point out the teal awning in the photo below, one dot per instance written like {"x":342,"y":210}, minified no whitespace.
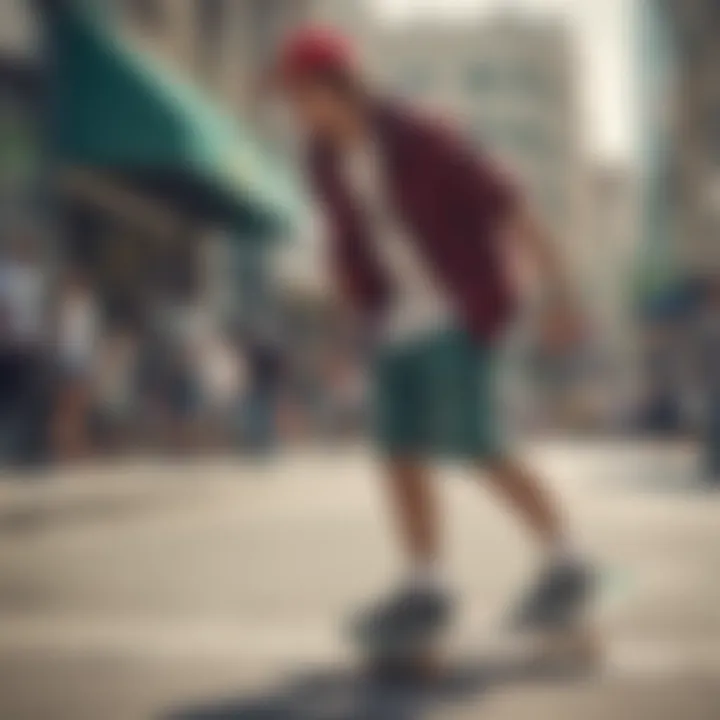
{"x":118,"y":110}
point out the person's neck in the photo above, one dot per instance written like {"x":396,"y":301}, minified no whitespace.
{"x":353,"y":131}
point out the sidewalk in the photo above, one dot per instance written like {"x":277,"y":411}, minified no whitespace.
{"x":99,"y":492}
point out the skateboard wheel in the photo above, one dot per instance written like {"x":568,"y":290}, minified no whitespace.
{"x":422,"y":668}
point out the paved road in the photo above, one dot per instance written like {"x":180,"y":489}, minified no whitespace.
{"x":215,"y":589}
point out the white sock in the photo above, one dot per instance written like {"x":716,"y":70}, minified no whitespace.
{"x":563,"y":552}
{"x":425,"y":577}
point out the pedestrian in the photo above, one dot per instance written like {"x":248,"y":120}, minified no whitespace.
{"x":709,"y":375}
{"x":221,"y":380}
{"x":77,"y":332}
{"x":115,"y":387}
{"x":187,"y":323}
{"x":23,"y":387}
{"x":266,"y":368}
{"x":346,"y":396}
{"x":419,"y":225}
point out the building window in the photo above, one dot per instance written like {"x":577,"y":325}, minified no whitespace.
{"x":145,"y":14}
{"x":266,"y":22}
{"x":415,"y":81}
{"x":481,"y":134}
{"x":20,"y":153}
{"x":211,"y":17}
{"x":481,"y":77}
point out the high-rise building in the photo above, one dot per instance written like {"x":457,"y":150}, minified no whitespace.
{"x":658,"y":261}
{"x":613,"y":230}
{"x":162,"y":68}
{"x":679,"y":111}
{"x":222,"y":44}
{"x":21,"y":115}
{"x":18,"y":36}
{"x":351,"y":16}
{"x":694,"y":27}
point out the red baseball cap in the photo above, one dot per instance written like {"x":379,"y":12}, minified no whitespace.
{"x":314,"y":50}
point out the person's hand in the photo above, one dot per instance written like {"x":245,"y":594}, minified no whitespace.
{"x":563,"y":327}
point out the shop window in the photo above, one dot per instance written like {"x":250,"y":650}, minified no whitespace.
{"x":481,"y":77}
{"x":211,"y":19}
{"x":146,"y":14}
{"x":266,"y":22}
{"x":415,"y":81}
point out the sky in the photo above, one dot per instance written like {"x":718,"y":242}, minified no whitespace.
{"x":605,"y":51}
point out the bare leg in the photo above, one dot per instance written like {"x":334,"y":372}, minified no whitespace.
{"x":69,"y":425}
{"x":528,"y":496}
{"x":421,"y":608}
{"x":415,"y":509}
{"x":561,"y":597}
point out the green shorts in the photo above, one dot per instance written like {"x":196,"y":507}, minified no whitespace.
{"x":436,"y":397}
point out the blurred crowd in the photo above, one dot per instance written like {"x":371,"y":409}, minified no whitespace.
{"x":681,"y":369}
{"x":77,"y":381}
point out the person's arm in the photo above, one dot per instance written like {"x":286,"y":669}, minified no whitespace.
{"x":562,"y":320}
{"x":484,"y":190}
{"x":352,"y":293}
{"x":537,"y":244}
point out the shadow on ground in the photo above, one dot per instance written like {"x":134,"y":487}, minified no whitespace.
{"x":344,"y":695}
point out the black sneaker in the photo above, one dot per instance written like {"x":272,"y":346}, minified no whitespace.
{"x":405,"y":618}
{"x":560,"y":597}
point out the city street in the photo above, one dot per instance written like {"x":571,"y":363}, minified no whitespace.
{"x":218,"y":588}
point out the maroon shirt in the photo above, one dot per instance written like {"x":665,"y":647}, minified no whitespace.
{"x":450,"y":200}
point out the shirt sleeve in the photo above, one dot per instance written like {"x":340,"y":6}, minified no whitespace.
{"x":480,"y":184}
{"x":341,"y":251}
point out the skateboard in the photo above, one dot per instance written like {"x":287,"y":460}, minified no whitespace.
{"x":575,"y":647}
{"x":421,"y":659}
{"x":438,"y":659}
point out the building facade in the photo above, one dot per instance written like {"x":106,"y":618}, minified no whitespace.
{"x":223,"y":47}
{"x":679,"y":111}
{"x":18,"y":36}
{"x":694,"y":26}
{"x":351,"y":16}
{"x":614,"y":229}
{"x":614,"y":221}
{"x":20,"y":113}
{"x":659,"y":260}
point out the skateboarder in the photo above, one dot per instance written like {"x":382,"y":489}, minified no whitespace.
{"x":420,"y":225}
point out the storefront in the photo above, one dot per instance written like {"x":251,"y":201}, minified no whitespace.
{"x":20,"y":139}
{"x":142,"y":176}
{"x":145,"y":169}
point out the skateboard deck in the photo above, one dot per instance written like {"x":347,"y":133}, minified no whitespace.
{"x":446,"y":661}
{"x":420,"y":657}
{"x":452,"y":657}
